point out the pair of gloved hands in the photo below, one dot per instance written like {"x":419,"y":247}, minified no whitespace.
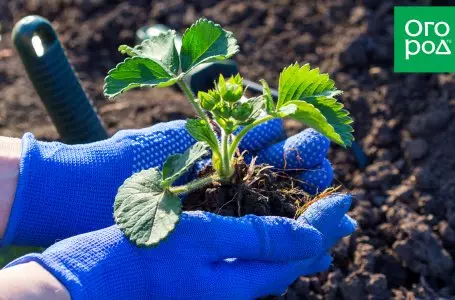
{"x":66,"y":190}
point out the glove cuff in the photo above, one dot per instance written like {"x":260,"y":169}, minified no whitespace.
{"x":96,"y":265}
{"x":17,"y":207}
{"x":52,"y":176}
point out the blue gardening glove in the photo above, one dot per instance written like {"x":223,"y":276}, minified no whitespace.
{"x":65,"y":190}
{"x":303,"y":154}
{"x":328,"y":216}
{"x":197,"y":260}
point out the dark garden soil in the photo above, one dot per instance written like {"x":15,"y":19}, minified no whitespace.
{"x":404,"y":202}
{"x":255,"y":189}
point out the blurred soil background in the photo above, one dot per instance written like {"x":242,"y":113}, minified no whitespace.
{"x":404,"y":202}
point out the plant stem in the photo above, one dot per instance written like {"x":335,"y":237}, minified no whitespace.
{"x":192,"y":186}
{"x":227,"y":170}
{"x":243,"y":132}
{"x":189,"y":94}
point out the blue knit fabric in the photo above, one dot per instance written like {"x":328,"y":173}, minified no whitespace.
{"x":318,"y":178}
{"x":65,"y":190}
{"x":263,"y":135}
{"x":328,"y":215}
{"x":206,"y":257}
{"x":299,"y":152}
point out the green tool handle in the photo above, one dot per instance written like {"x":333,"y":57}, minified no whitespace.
{"x":55,"y":81}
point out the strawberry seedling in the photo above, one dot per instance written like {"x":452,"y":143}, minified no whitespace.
{"x":147,"y":206}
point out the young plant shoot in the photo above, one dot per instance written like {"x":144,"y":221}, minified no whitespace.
{"x":147,"y":206}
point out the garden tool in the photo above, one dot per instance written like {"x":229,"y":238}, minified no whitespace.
{"x":54,"y":79}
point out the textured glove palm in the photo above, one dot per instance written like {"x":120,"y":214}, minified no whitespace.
{"x":196,"y":261}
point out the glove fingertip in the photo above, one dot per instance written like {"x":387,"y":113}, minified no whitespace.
{"x":327,"y":213}
{"x":301,"y":151}
{"x":320,"y":265}
{"x":311,"y":147}
{"x":263,"y":135}
{"x":336,"y":203}
{"x":318,"y":179}
{"x":347,"y":226}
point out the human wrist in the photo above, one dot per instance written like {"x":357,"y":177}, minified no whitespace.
{"x":31,"y":281}
{"x":10,"y":153}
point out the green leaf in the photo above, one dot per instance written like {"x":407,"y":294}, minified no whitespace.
{"x":269,"y":103}
{"x":201,"y":131}
{"x":336,"y":116}
{"x":205,"y":42}
{"x":144,"y":211}
{"x":136,"y":72}
{"x":310,"y":115}
{"x":306,"y":84}
{"x":286,"y":111}
{"x":160,"y":48}
{"x":176,"y":165}
{"x":298,"y":83}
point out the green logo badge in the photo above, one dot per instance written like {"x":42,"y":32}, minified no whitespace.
{"x":424,"y":39}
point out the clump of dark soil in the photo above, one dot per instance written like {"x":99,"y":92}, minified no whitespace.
{"x":255,"y":189}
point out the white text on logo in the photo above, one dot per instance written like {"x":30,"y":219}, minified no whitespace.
{"x":415,"y":28}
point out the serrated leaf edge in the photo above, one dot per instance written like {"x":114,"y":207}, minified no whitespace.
{"x":346,"y":138}
{"x":229,"y":34}
{"x":110,"y":97}
{"x":135,"y":48}
{"x":327,"y":122}
{"x":162,"y":238}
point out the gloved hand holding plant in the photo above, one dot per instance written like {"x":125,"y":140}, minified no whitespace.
{"x":277,"y":225}
{"x":147,"y":206}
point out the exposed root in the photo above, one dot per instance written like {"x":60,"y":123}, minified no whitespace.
{"x":302,"y":206}
{"x":255,"y":189}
